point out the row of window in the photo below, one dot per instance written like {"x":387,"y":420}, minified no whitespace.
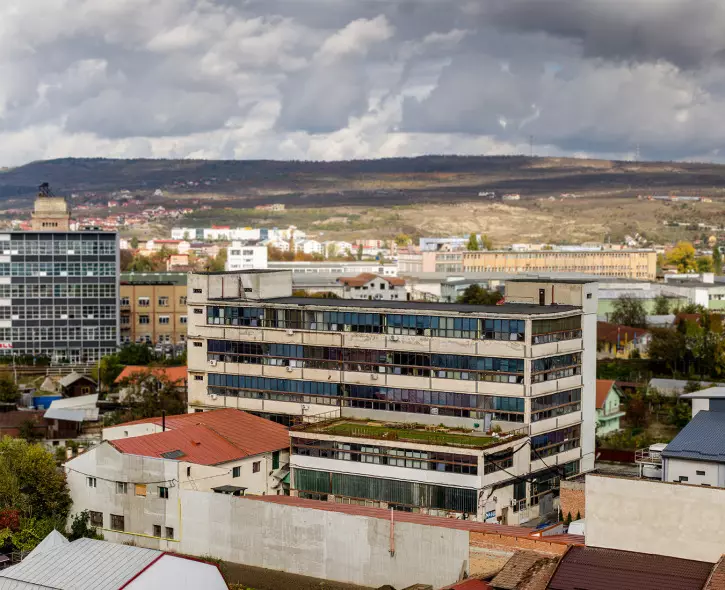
{"x":556,"y":404}
{"x":58,"y":311}
{"x":60,"y":355}
{"x":345,"y":321}
{"x":60,"y":247}
{"x":555,"y":367}
{"x":555,"y":442}
{"x":414,"y":459}
{"x":57,"y":269}
{"x":384,"y":398}
{"x":162,"y":301}
{"x":444,"y":366}
{"x":146,"y":319}
{"x":55,"y":291}
{"x":31,"y":334}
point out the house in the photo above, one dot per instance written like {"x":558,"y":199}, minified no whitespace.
{"x":608,"y":407}
{"x":131,"y":483}
{"x":373,"y":287}
{"x":696,"y":456}
{"x":174,"y":375}
{"x":87,"y":564}
{"x":621,"y":342}
{"x":66,"y":417}
{"x":75,"y":384}
{"x":710,"y":399}
{"x":13,"y":422}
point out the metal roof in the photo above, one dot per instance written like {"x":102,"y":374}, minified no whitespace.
{"x":85,"y":564}
{"x":703,"y":439}
{"x":709,"y":393}
{"x":72,"y":377}
{"x":74,"y":409}
{"x":506,"y":309}
{"x":594,"y":568}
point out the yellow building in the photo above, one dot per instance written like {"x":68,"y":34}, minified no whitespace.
{"x":153,"y":307}
{"x":631,"y":264}
{"x":51,"y":213}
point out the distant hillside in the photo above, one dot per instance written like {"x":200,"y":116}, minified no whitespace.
{"x":385,"y":181}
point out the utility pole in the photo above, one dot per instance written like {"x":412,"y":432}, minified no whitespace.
{"x":531,"y":146}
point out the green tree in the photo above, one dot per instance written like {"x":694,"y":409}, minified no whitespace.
{"x":403,"y":239}
{"x":134,"y":243}
{"x":360,"y":252}
{"x":141,"y":264}
{"x":716,"y":260}
{"x":661,"y":305}
{"x":477,"y":295}
{"x":148,"y":395}
{"x":80,"y":527}
{"x":472,"y":245}
{"x":704,"y":264}
{"x":682,"y":256}
{"x":679,"y":414}
{"x":29,"y":432}
{"x":135,"y":354}
{"x":9,"y":392}
{"x":629,"y":311}
{"x":486,"y":243}
{"x":666,"y":349}
{"x":636,"y":409}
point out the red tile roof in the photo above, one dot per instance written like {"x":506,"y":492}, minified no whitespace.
{"x":208,"y":438}
{"x":470,"y":584}
{"x":173,"y":374}
{"x":424,"y":519}
{"x":592,"y":568}
{"x":616,"y":333}
{"x":603,"y":387}
{"x":717,"y":577}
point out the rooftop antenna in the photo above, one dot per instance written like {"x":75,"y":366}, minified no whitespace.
{"x":44,"y":190}
{"x":636,"y":153}
{"x":531,"y":146}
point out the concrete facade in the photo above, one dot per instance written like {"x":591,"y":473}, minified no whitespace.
{"x":241,"y":256}
{"x":654,"y":517}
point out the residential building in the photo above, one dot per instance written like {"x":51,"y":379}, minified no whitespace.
{"x":608,"y":407}
{"x":450,"y":244}
{"x":528,"y":364}
{"x":131,"y":482}
{"x":428,"y":261}
{"x":373,"y":287}
{"x":699,"y":288}
{"x":58,"y":292}
{"x":156,"y":246}
{"x":244,"y":255}
{"x":635,"y":264}
{"x":309,"y":247}
{"x":153,"y":307}
{"x":89,"y":563}
{"x":615,"y":341}
{"x":74,"y":384}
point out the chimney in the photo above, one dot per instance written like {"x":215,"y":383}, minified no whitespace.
{"x":163,"y":420}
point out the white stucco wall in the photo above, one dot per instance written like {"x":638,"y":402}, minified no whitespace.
{"x":696,"y":472}
{"x":678,"y":520}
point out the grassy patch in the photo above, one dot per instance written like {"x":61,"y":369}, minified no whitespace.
{"x":405,"y":434}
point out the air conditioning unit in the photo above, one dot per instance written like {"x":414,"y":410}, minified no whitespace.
{"x":289,"y":369}
{"x":212,"y":362}
{"x":290,"y":332}
{"x":394,"y":338}
{"x":374,"y":377}
{"x":213,"y":396}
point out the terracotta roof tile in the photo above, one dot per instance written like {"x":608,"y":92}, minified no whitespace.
{"x":245,"y":433}
{"x":616,"y":333}
{"x":717,"y":577}
{"x":173,"y":374}
{"x":470,"y":584}
{"x":593,"y":568}
{"x":603,"y":387}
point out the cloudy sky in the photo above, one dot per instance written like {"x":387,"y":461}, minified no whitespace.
{"x":337,"y":79}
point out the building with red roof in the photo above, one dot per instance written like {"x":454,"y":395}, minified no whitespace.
{"x":131,"y":482}
{"x":619,"y":341}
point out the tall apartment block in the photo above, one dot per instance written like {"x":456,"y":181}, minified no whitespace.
{"x":58,"y":289}
{"x":472,"y":411}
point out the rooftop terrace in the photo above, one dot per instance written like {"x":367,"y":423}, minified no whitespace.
{"x":416,"y":433}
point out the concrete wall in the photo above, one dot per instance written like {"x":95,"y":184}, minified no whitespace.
{"x":695,"y":472}
{"x":321,"y":544}
{"x":678,"y":520}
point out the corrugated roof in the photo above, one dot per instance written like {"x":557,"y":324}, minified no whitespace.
{"x":593,"y":568}
{"x":173,"y":374}
{"x":702,"y":439}
{"x":717,"y":577}
{"x":72,"y":377}
{"x":603,"y":388}
{"x":709,"y":393}
{"x":74,"y":409}
{"x":246,"y":433}
{"x":85,"y":564}
{"x":365,"y":277}
{"x":423,"y":519}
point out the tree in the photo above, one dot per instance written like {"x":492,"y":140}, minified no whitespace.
{"x":636,"y":410}
{"x":219,"y":262}
{"x":360,"y":252}
{"x":486,"y":243}
{"x":662,"y":305}
{"x":716,"y":261}
{"x":141,"y":264}
{"x":629,"y":311}
{"x":125,"y":259}
{"x":28,"y":431}
{"x":9,"y":392}
{"x":477,"y":295}
{"x":472,"y":245}
{"x":402,"y":240}
{"x":704,"y":264}
{"x":679,"y":414}
{"x":683,"y":257}
{"x":692,"y":387}
{"x":134,"y":243}
{"x":666,"y":349}
{"x":80,"y":527}
{"x":30,"y":482}
{"x":149,"y":394}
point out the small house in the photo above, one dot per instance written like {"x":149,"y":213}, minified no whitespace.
{"x":608,"y":407}
{"x":615,"y":341}
{"x":74,"y":385}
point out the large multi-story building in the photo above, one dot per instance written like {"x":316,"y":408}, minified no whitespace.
{"x":525,"y":370}
{"x":244,"y":255}
{"x":58,"y":289}
{"x":633,"y":264}
{"x":153,"y":307}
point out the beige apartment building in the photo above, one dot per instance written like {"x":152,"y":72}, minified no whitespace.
{"x":632,"y":264}
{"x":153,"y":307}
